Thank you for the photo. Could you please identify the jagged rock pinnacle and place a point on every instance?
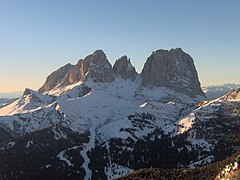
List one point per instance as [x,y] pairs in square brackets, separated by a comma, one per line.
[124,68]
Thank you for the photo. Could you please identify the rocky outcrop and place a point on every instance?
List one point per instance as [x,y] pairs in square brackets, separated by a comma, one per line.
[27,91]
[100,70]
[95,66]
[124,68]
[233,95]
[55,78]
[173,69]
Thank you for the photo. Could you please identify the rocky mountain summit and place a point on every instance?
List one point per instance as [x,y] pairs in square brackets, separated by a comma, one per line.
[173,69]
[95,66]
[124,68]
[95,121]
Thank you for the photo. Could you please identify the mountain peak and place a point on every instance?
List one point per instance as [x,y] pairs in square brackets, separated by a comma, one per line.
[95,66]
[176,50]
[27,91]
[173,51]
[124,68]
[99,51]
[173,69]
[98,57]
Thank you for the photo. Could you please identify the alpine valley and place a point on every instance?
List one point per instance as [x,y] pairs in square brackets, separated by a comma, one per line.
[93,120]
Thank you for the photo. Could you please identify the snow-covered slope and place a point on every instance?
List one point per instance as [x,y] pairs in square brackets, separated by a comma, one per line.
[103,110]
[228,104]
[22,124]
[5,102]
[29,102]
[89,127]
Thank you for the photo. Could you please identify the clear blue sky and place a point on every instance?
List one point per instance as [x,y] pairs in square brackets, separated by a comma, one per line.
[39,36]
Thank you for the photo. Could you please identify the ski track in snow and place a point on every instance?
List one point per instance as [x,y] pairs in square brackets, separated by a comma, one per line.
[62,157]
[108,106]
[87,147]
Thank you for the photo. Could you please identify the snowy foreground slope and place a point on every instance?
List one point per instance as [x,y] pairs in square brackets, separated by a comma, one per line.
[96,127]
[103,114]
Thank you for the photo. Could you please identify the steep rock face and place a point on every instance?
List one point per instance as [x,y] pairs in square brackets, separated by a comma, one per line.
[74,75]
[173,69]
[54,78]
[100,70]
[95,66]
[124,68]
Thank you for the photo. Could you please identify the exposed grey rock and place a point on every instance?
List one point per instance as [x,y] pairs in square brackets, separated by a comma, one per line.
[174,69]
[95,66]
[124,68]
[55,78]
[74,75]
[27,91]
[100,70]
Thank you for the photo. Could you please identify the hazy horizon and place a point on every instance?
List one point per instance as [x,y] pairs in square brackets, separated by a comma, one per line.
[38,37]
[16,94]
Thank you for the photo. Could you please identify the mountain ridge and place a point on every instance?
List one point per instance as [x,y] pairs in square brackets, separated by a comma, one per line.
[215,91]
[89,128]
[173,69]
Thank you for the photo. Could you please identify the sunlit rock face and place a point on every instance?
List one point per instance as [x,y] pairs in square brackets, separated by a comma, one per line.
[55,78]
[174,69]
[95,66]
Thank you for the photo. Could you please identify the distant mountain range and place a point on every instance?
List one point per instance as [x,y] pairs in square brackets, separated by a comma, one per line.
[213,92]
[5,101]
[93,120]
[11,95]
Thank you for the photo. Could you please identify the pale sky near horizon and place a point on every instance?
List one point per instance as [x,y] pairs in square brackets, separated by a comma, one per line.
[37,37]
